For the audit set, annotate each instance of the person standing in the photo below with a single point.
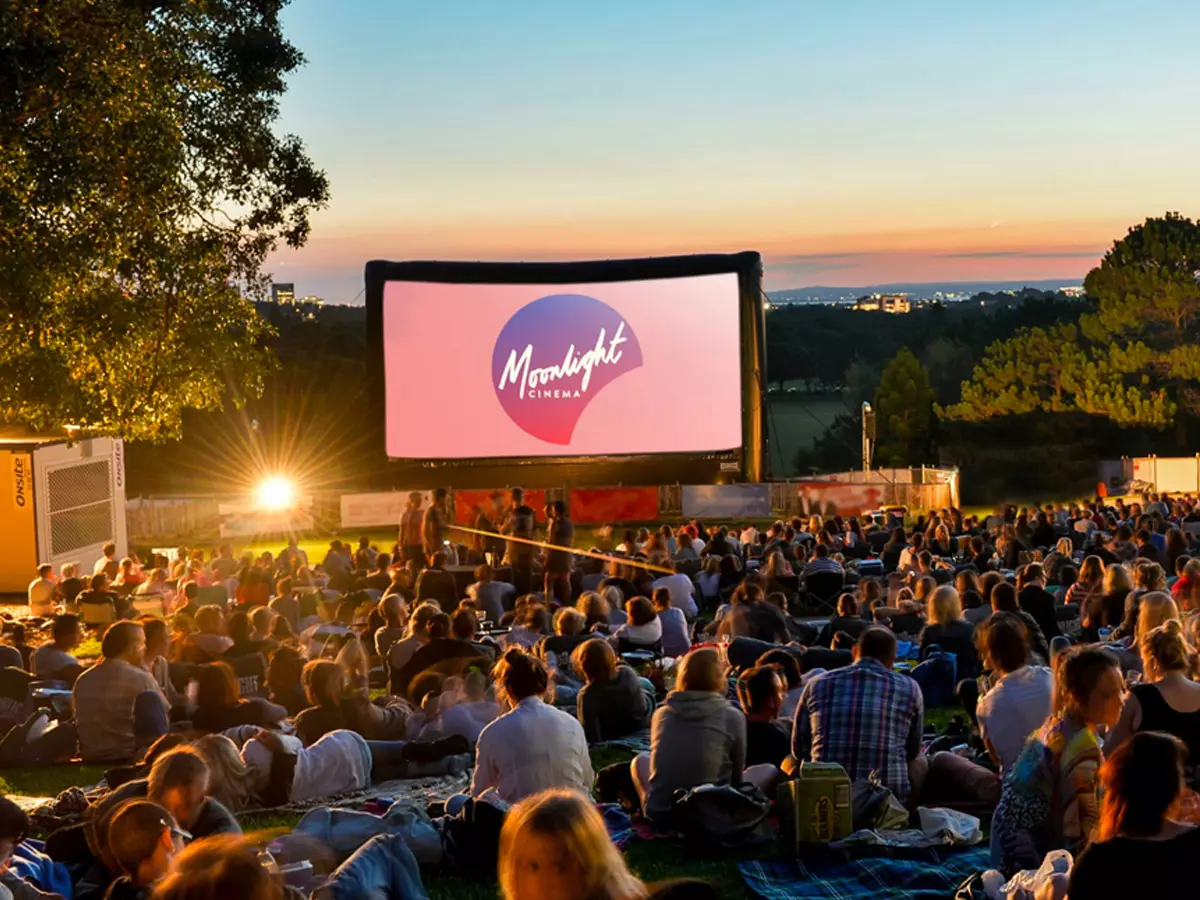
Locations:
(518, 527)
(410, 529)
(433, 525)
(560, 532)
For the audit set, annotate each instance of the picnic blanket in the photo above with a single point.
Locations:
(933, 875)
(638, 742)
(419, 791)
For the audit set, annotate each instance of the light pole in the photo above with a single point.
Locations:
(868, 434)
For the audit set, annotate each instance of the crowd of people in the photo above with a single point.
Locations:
(1065, 635)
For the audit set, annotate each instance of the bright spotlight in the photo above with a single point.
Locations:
(276, 492)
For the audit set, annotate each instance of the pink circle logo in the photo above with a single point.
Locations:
(554, 356)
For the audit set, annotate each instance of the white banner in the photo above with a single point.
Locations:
(369, 510)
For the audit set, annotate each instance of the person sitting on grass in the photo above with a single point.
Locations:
(676, 636)
(118, 704)
(220, 705)
(54, 660)
(643, 631)
(143, 839)
(613, 702)
(696, 737)
(865, 717)
(762, 692)
(443, 652)
(1021, 694)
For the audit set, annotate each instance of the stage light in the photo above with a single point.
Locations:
(276, 492)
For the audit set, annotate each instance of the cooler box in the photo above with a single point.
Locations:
(815, 808)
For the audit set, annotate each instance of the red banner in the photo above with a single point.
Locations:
(622, 504)
(494, 503)
(835, 498)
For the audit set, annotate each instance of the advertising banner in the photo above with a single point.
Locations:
(833, 498)
(379, 509)
(727, 501)
(620, 504)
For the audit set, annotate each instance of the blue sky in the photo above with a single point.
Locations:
(854, 142)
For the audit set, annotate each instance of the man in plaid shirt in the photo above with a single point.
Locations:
(864, 717)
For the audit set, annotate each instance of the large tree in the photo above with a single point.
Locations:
(904, 413)
(141, 187)
(1133, 358)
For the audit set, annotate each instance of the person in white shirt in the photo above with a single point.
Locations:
(749, 534)
(41, 591)
(681, 588)
(1021, 695)
(908, 556)
(108, 562)
(533, 747)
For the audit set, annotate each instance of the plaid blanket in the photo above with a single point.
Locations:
(935, 876)
(420, 791)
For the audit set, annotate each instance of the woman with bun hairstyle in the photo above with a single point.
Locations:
(533, 747)
(1167, 700)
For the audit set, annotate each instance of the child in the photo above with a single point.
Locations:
(554, 845)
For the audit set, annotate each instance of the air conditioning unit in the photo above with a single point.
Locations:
(62, 502)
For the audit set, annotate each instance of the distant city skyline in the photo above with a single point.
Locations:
(851, 144)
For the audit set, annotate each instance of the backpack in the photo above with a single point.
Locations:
(721, 815)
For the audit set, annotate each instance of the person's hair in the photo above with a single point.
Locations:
(230, 782)
(877, 643)
(1004, 597)
(662, 599)
(1116, 578)
(176, 768)
(97, 581)
(641, 611)
(756, 686)
(286, 667)
(569, 621)
(439, 625)
(210, 619)
(594, 606)
(216, 686)
(785, 662)
(1164, 649)
(324, 682)
(238, 625)
(1153, 609)
(924, 589)
(847, 605)
(700, 670)
(1140, 783)
(1003, 642)
(1077, 671)
(520, 675)
(418, 622)
(134, 831)
(219, 866)
(595, 660)
(945, 606)
(1150, 577)
(465, 624)
(572, 820)
(67, 625)
(1091, 572)
(119, 639)
(1029, 574)
(14, 822)
(869, 590)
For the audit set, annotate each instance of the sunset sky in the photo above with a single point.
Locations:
(852, 143)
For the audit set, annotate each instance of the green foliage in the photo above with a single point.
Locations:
(141, 187)
(904, 413)
(1132, 359)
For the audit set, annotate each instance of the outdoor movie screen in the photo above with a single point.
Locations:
(615, 368)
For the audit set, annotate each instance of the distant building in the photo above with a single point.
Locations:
(889, 303)
(283, 294)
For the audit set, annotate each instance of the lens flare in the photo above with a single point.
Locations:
(276, 492)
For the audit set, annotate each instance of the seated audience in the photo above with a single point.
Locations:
(143, 839)
(534, 746)
(1004, 599)
(865, 717)
(55, 660)
(284, 673)
(696, 737)
(1021, 694)
(762, 692)
(643, 631)
(1167, 699)
(948, 629)
(492, 598)
(220, 705)
(473, 712)
(1034, 599)
(223, 867)
(613, 702)
(1139, 848)
(676, 640)
(118, 704)
(1048, 801)
(443, 652)
(418, 635)
(394, 613)
(847, 621)
(211, 640)
(43, 592)
(681, 589)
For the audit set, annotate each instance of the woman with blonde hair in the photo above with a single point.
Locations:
(229, 782)
(554, 846)
(1109, 610)
(1156, 608)
(1167, 699)
(946, 628)
(696, 737)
